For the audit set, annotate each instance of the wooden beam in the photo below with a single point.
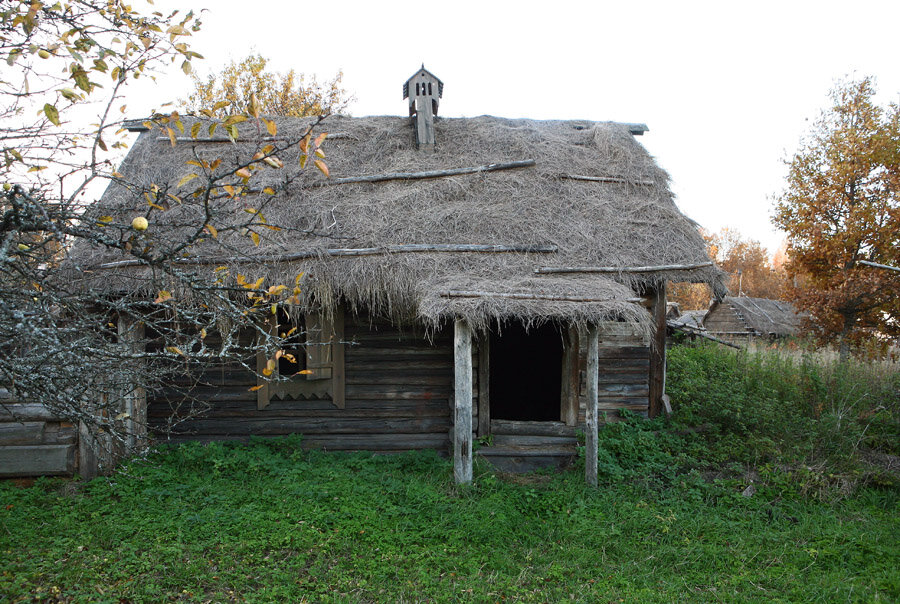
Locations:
(462, 403)
(525, 163)
(458, 293)
(568, 412)
(484, 385)
(657, 351)
(876, 265)
(590, 415)
(428, 248)
(338, 372)
(551, 270)
(609, 179)
(134, 399)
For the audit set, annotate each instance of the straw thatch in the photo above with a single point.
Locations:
(755, 316)
(624, 217)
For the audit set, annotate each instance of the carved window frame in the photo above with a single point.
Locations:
(324, 375)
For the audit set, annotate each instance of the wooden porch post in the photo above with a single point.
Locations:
(658, 351)
(462, 407)
(590, 415)
(134, 403)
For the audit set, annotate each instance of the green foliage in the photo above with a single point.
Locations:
(774, 408)
(268, 521)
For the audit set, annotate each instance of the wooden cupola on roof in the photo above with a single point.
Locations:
(424, 91)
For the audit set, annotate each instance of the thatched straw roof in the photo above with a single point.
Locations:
(622, 219)
(756, 316)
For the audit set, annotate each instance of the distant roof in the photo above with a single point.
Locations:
(692, 318)
(760, 316)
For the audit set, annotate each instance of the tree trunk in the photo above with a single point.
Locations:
(844, 347)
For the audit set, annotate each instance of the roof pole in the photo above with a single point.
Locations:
(462, 403)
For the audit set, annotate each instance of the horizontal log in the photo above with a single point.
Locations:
(225, 139)
(309, 426)
(37, 460)
(25, 412)
(512, 427)
(525, 440)
(457, 293)
(428, 248)
(524, 451)
(607, 179)
(525, 163)
(551, 270)
(382, 443)
(21, 433)
(697, 332)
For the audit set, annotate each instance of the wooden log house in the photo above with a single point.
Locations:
(493, 279)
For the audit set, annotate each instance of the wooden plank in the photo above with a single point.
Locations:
(339, 372)
(506, 426)
(517, 440)
(658, 350)
(484, 385)
(462, 412)
(37, 460)
(524, 163)
(134, 399)
(593, 368)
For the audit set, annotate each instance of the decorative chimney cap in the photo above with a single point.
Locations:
(420, 89)
(423, 76)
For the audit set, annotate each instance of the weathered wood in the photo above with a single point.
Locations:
(462, 412)
(339, 373)
(523, 428)
(131, 338)
(427, 248)
(224, 139)
(657, 351)
(280, 425)
(484, 385)
(37, 460)
(876, 265)
(458, 293)
(568, 412)
(550, 270)
(525, 163)
(21, 433)
(608, 179)
(527, 440)
(590, 444)
(25, 412)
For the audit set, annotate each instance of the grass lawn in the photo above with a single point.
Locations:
(269, 522)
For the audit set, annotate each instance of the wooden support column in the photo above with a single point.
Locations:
(568, 411)
(484, 385)
(462, 403)
(134, 397)
(657, 350)
(590, 415)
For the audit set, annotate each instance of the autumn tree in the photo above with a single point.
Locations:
(750, 271)
(288, 94)
(62, 116)
(840, 206)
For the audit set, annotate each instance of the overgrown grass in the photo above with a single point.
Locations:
(270, 522)
(829, 422)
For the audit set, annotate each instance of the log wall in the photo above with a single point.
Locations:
(624, 367)
(398, 397)
(33, 442)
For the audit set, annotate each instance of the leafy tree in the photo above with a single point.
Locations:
(841, 205)
(69, 347)
(288, 94)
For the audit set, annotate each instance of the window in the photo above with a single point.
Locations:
(310, 364)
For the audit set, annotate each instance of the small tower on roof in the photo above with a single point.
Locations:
(424, 91)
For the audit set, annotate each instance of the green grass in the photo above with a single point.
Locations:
(270, 522)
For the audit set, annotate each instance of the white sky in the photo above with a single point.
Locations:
(725, 87)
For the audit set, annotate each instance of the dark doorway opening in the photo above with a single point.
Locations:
(526, 373)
